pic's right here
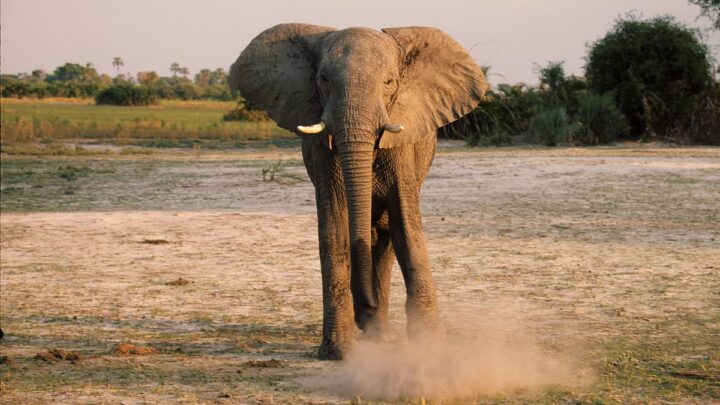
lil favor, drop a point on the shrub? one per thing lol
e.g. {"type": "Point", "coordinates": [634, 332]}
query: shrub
{"type": "Point", "coordinates": [126, 95]}
{"type": "Point", "coordinates": [703, 126]}
{"type": "Point", "coordinates": [187, 90]}
{"type": "Point", "coordinates": [242, 113]}
{"type": "Point", "coordinates": [657, 70]}
{"type": "Point", "coordinates": [12, 87]}
{"type": "Point", "coordinates": [599, 120]}
{"type": "Point", "coordinates": [503, 114]}
{"type": "Point", "coordinates": [549, 127]}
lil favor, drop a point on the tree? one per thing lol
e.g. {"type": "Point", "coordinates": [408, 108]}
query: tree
{"type": "Point", "coordinates": [552, 76]}
{"type": "Point", "coordinates": [68, 72]}
{"type": "Point", "coordinates": [39, 75]}
{"type": "Point", "coordinates": [175, 68]}
{"type": "Point", "coordinates": [657, 69]}
{"type": "Point", "coordinates": [126, 94]}
{"type": "Point", "coordinates": [218, 77]}
{"type": "Point", "coordinates": [117, 63]}
{"type": "Point", "coordinates": [186, 90]}
{"type": "Point", "coordinates": [122, 79]}
{"type": "Point", "coordinates": [184, 71]}
{"type": "Point", "coordinates": [710, 9]}
{"type": "Point", "coordinates": [147, 78]}
{"type": "Point", "coordinates": [202, 78]}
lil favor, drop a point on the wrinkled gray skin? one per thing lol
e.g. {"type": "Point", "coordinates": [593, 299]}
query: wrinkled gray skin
{"type": "Point", "coordinates": [367, 180]}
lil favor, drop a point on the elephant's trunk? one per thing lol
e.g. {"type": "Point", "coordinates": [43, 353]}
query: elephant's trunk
{"type": "Point", "coordinates": [356, 157]}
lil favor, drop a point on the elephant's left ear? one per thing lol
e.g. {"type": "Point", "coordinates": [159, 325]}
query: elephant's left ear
{"type": "Point", "coordinates": [439, 83]}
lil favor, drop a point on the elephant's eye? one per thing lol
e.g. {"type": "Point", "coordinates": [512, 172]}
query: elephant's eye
{"type": "Point", "coordinates": [389, 82]}
{"type": "Point", "coordinates": [323, 78]}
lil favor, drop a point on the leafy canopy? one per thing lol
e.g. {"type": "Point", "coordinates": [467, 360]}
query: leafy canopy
{"type": "Point", "coordinates": [657, 69]}
{"type": "Point", "coordinates": [710, 9]}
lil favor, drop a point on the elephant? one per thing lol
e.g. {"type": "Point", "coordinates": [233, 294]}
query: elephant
{"type": "Point", "coordinates": [367, 104]}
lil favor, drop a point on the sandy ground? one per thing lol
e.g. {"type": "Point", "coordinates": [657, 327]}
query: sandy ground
{"type": "Point", "coordinates": [590, 254]}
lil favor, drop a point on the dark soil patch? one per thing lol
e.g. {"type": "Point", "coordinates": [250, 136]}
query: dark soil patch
{"type": "Point", "coordinates": [55, 355]}
{"type": "Point", "coordinates": [264, 363]}
{"type": "Point", "coordinates": [179, 281]}
{"type": "Point", "coordinates": [7, 361]}
{"type": "Point", "coordinates": [696, 375]}
{"type": "Point", "coordinates": [155, 241]}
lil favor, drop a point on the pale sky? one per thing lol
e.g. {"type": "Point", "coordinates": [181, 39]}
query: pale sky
{"type": "Point", "coordinates": [509, 35]}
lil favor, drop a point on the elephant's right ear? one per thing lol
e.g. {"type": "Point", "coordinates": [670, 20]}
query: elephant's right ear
{"type": "Point", "coordinates": [276, 73]}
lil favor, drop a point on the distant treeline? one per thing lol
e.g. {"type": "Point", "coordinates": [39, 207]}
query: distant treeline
{"type": "Point", "coordinates": [75, 80]}
{"type": "Point", "coordinates": [645, 80]}
{"type": "Point", "coordinates": [650, 79]}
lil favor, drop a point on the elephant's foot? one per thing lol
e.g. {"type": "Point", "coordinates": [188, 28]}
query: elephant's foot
{"type": "Point", "coordinates": [425, 325]}
{"type": "Point", "coordinates": [378, 331]}
{"type": "Point", "coordinates": [365, 316]}
{"type": "Point", "coordinates": [330, 350]}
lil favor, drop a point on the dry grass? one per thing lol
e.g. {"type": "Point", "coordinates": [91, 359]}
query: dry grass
{"type": "Point", "coordinates": [606, 256]}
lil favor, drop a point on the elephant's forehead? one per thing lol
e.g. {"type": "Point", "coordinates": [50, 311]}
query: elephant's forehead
{"type": "Point", "coordinates": [362, 45]}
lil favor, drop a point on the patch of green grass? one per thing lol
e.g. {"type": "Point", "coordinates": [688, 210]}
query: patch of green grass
{"type": "Point", "coordinates": [170, 124]}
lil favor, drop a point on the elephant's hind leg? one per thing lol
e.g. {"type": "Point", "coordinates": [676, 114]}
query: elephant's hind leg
{"type": "Point", "coordinates": [383, 258]}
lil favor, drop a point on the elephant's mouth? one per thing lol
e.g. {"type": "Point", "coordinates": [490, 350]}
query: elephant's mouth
{"type": "Point", "coordinates": [321, 126]}
{"type": "Point", "coordinates": [319, 129]}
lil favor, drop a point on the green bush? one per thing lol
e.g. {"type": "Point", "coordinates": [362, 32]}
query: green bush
{"type": "Point", "coordinates": [12, 87]}
{"type": "Point", "coordinates": [126, 95]}
{"type": "Point", "coordinates": [657, 70]}
{"type": "Point", "coordinates": [703, 126]}
{"type": "Point", "coordinates": [498, 119]}
{"type": "Point", "coordinates": [549, 127]}
{"type": "Point", "coordinates": [242, 113]}
{"type": "Point", "coordinates": [187, 90]}
{"type": "Point", "coordinates": [599, 120]}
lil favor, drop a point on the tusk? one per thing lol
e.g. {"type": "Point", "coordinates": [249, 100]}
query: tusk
{"type": "Point", "coordinates": [394, 128]}
{"type": "Point", "coordinates": [312, 129]}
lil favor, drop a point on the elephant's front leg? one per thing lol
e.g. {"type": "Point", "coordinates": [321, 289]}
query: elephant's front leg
{"type": "Point", "coordinates": [411, 250]}
{"type": "Point", "coordinates": [339, 330]}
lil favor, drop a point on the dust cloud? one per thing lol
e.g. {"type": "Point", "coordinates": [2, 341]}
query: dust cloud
{"type": "Point", "coordinates": [462, 364]}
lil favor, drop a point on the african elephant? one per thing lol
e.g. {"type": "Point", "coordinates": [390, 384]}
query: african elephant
{"type": "Point", "coordinates": [367, 105]}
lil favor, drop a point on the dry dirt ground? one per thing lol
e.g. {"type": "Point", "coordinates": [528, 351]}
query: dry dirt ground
{"type": "Point", "coordinates": [604, 259]}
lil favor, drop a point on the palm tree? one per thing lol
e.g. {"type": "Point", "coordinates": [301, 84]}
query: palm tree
{"type": "Point", "coordinates": [175, 68]}
{"type": "Point", "coordinates": [117, 62]}
{"type": "Point", "coordinates": [185, 72]}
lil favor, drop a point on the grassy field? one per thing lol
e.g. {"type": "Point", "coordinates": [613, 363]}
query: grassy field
{"type": "Point", "coordinates": [169, 124]}
{"type": "Point", "coordinates": [604, 257]}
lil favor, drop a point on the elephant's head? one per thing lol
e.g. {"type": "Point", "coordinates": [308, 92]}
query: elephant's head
{"type": "Point", "coordinates": [355, 90]}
